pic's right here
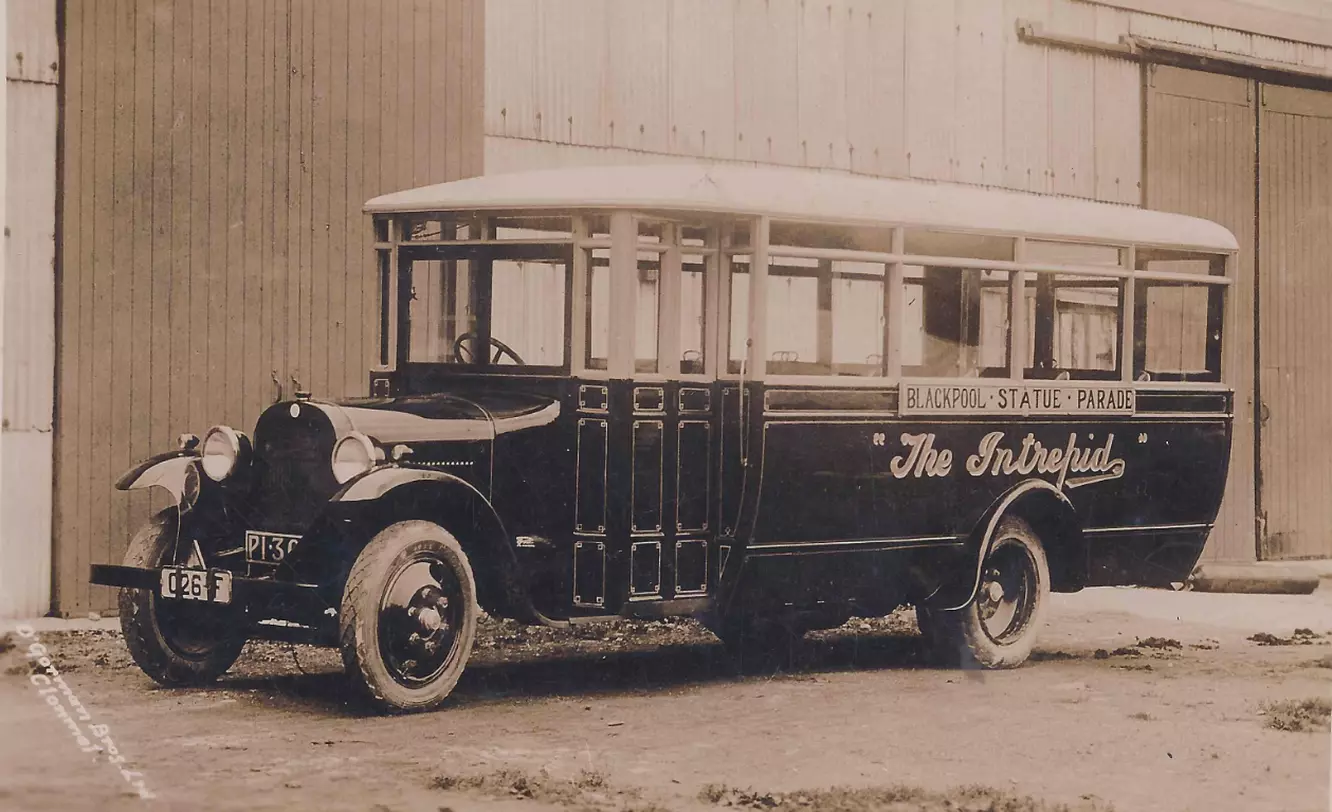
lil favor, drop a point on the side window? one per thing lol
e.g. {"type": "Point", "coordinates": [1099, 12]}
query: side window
{"type": "Point", "coordinates": [647, 348]}
{"type": "Point", "coordinates": [956, 322]}
{"type": "Point", "coordinates": [527, 309]}
{"type": "Point", "coordinates": [597, 351]}
{"type": "Point", "coordinates": [693, 313]}
{"type": "Point", "coordinates": [1177, 323]}
{"type": "Point", "coordinates": [439, 310]}
{"type": "Point", "coordinates": [1075, 326]}
{"type": "Point", "coordinates": [1177, 331]}
{"type": "Point", "coordinates": [825, 317]}
{"type": "Point", "coordinates": [739, 315]}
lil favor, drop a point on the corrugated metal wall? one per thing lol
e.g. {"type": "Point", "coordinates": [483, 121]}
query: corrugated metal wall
{"type": "Point", "coordinates": [1201, 152]}
{"type": "Point", "coordinates": [904, 88]}
{"type": "Point", "coordinates": [216, 158]}
{"type": "Point", "coordinates": [1295, 293]}
{"type": "Point", "coordinates": [31, 73]}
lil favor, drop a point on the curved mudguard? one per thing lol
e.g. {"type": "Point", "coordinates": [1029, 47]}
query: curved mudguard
{"type": "Point", "coordinates": [382, 482]}
{"type": "Point", "coordinates": [172, 470]}
{"type": "Point", "coordinates": [963, 591]}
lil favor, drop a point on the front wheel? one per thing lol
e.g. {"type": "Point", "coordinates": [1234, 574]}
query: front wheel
{"type": "Point", "coordinates": [408, 617]}
{"type": "Point", "coordinates": [999, 627]}
{"type": "Point", "coordinates": [175, 642]}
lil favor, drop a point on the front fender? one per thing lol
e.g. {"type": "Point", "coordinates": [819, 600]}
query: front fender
{"type": "Point", "coordinates": [175, 471]}
{"type": "Point", "coordinates": [378, 482]}
{"type": "Point", "coordinates": [393, 493]}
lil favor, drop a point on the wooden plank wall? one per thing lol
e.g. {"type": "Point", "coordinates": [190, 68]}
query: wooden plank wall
{"type": "Point", "coordinates": [1201, 148]}
{"type": "Point", "coordinates": [934, 89]}
{"type": "Point", "coordinates": [1295, 333]}
{"type": "Point", "coordinates": [216, 157]}
{"type": "Point", "coordinates": [29, 153]}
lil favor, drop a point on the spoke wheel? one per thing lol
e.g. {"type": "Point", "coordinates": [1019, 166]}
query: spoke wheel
{"type": "Point", "coordinates": [999, 627]}
{"type": "Point", "coordinates": [408, 617]}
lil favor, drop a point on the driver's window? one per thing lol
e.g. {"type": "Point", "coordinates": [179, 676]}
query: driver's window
{"type": "Point", "coordinates": [527, 311]}
{"type": "Point", "coordinates": [439, 308]}
{"type": "Point", "coordinates": [525, 303]}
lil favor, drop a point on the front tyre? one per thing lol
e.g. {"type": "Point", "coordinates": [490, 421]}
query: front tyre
{"type": "Point", "coordinates": [175, 642]}
{"type": "Point", "coordinates": [408, 617]}
{"type": "Point", "coordinates": [999, 627]}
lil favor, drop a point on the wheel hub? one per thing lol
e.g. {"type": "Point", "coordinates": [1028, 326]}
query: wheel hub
{"type": "Point", "coordinates": [418, 625]}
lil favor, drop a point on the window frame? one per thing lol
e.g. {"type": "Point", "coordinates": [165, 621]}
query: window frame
{"type": "Point", "coordinates": [729, 235]}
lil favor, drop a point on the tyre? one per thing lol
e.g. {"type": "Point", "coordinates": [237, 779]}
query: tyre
{"type": "Point", "coordinates": [999, 627]}
{"type": "Point", "coordinates": [175, 642]}
{"type": "Point", "coordinates": [408, 617]}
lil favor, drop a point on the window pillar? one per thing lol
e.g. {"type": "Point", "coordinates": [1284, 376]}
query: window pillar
{"type": "Point", "coordinates": [758, 299]}
{"type": "Point", "coordinates": [623, 294]}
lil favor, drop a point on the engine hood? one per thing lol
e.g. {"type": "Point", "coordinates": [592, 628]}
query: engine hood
{"type": "Point", "coordinates": [440, 417]}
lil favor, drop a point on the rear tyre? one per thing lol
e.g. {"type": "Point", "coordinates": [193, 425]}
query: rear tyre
{"type": "Point", "coordinates": [999, 627]}
{"type": "Point", "coordinates": [175, 642]}
{"type": "Point", "coordinates": [409, 616]}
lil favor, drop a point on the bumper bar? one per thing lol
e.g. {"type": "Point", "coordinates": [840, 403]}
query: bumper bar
{"type": "Point", "coordinates": [243, 590]}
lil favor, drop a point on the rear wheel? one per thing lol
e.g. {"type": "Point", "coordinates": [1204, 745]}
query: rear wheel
{"type": "Point", "coordinates": [409, 616]}
{"type": "Point", "coordinates": [175, 642]}
{"type": "Point", "coordinates": [999, 627]}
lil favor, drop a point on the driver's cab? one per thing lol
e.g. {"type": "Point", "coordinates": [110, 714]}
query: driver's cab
{"type": "Point", "coordinates": [617, 315]}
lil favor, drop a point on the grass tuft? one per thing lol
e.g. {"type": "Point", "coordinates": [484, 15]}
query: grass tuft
{"type": "Point", "coordinates": [1299, 715]}
{"type": "Point", "coordinates": [899, 798]}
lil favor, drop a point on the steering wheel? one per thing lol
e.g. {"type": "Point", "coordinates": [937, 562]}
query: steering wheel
{"type": "Point", "coordinates": [501, 349]}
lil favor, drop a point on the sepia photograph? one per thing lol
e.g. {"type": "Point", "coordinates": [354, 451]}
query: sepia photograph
{"type": "Point", "coordinates": [666, 405]}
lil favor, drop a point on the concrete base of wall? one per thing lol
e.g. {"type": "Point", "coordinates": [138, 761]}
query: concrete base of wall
{"type": "Point", "coordinates": [1258, 577]}
{"type": "Point", "coordinates": [25, 523]}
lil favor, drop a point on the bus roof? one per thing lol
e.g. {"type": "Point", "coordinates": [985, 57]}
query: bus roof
{"type": "Point", "coordinates": [811, 196]}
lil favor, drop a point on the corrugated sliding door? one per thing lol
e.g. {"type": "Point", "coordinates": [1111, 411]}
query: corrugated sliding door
{"type": "Point", "coordinates": [1201, 151]}
{"type": "Point", "coordinates": [1295, 297]}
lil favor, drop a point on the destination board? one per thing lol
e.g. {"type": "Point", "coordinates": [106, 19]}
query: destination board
{"type": "Point", "coordinates": [1025, 398]}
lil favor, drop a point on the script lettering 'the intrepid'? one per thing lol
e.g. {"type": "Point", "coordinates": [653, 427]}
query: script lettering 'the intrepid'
{"type": "Point", "coordinates": [1072, 464]}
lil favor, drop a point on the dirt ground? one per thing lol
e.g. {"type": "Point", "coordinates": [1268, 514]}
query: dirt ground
{"type": "Point", "coordinates": [1120, 710]}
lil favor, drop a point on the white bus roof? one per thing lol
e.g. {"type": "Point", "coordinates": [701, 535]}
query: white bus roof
{"type": "Point", "coordinates": [811, 196]}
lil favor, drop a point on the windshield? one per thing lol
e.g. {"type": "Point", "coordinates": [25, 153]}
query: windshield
{"type": "Point", "coordinates": [505, 309]}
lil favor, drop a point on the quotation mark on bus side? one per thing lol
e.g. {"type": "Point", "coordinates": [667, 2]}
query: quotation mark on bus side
{"type": "Point", "coordinates": [1142, 438]}
{"type": "Point", "coordinates": [879, 439]}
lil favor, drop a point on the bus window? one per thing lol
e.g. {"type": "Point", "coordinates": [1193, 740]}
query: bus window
{"type": "Point", "coordinates": [646, 346]}
{"type": "Point", "coordinates": [1177, 331]}
{"type": "Point", "coordinates": [956, 322]}
{"type": "Point", "coordinates": [1075, 326]}
{"type": "Point", "coordinates": [795, 311]}
{"type": "Point", "coordinates": [525, 309]}
{"type": "Point", "coordinates": [693, 310]}
{"type": "Point", "coordinates": [739, 315]}
{"type": "Point", "coordinates": [598, 309]}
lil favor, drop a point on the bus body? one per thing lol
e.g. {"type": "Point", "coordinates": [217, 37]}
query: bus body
{"type": "Point", "coordinates": [768, 398]}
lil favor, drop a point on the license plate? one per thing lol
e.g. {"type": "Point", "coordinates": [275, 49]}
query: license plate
{"type": "Point", "coordinates": [211, 586]}
{"type": "Point", "coordinates": [268, 548]}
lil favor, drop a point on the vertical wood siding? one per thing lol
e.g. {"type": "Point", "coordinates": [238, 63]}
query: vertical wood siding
{"type": "Point", "coordinates": [1201, 150]}
{"type": "Point", "coordinates": [214, 252]}
{"type": "Point", "coordinates": [935, 89]}
{"type": "Point", "coordinates": [1295, 295]}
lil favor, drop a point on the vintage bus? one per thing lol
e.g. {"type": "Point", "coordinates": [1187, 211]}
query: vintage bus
{"type": "Point", "coordinates": [772, 399]}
